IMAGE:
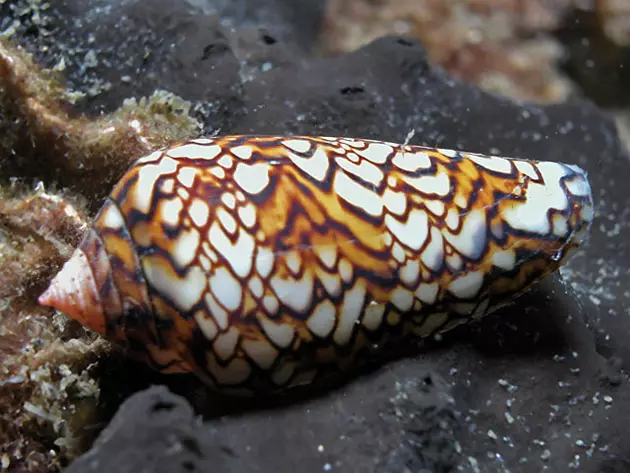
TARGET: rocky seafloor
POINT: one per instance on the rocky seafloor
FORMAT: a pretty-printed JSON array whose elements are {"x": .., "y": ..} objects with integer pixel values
[{"x": 541, "y": 385}]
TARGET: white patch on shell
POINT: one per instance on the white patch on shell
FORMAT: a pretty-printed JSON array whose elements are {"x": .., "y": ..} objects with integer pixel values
[
  {"x": 281, "y": 334},
  {"x": 202, "y": 141},
  {"x": 322, "y": 320},
  {"x": 504, "y": 259},
  {"x": 205, "y": 263},
  {"x": 184, "y": 292},
  {"x": 148, "y": 175},
  {"x": 225, "y": 343},
  {"x": 227, "y": 221},
  {"x": 247, "y": 215},
  {"x": 294, "y": 293},
  {"x": 315, "y": 166},
  {"x": 252, "y": 178},
  {"x": 431, "y": 323},
  {"x": 578, "y": 185},
  {"x": 264, "y": 261},
  {"x": 218, "y": 313},
  {"x": 185, "y": 247},
  {"x": 346, "y": 270},
  {"x": 411, "y": 162},
  {"x": 327, "y": 254},
  {"x": 357, "y": 195},
  {"x": 330, "y": 281},
  {"x": 167, "y": 186},
  {"x": 236, "y": 371},
  {"x": 491, "y": 163},
  {"x": 260, "y": 351},
  {"x": 433, "y": 253},
  {"x": 199, "y": 212},
  {"x": 364, "y": 170},
  {"x": 183, "y": 193},
  {"x": 376, "y": 152},
  {"x": 293, "y": 261},
  {"x": 283, "y": 373},
  {"x": 218, "y": 172},
  {"x": 471, "y": 239},
  {"x": 226, "y": 161},
  {"x": 271, "y": 304},
  {"x": 239, "y": 255},
  {"x": 243, "y": 152},
  {"x": 111, "y": 216},
  {"x": 229, "y": 200},
  {"x": 195, "y": 151},
  {"x": 461, "y": 200},
  {"x": 531, "y": 215},
  {"x": 256, "y": 286},
  {"x": 298, "y": 145},
  {"x": 410, "y": 272},
  {"x": 207, "y": 326},
  {"x": 427, "y": 293},
  {"x": 413, "y": 232},
  {"x": 154, "y": 156},
  {"x": 349, "y": 313},
  {"x": 398, "y": 253},
  {"x": 373, "y": 316},
  {"x": 560, "y": 225},
  {"x": 454, "y": 262},
  {"x": 395, "y": 202},
  {"x": 431, "y": 185},
  {"x": 526, "y": 168},
  {"x": 226, "y": 289},
  {"x": 449, "y": 153},
  {"x": 170, "y": 210},
  {"x": 402, "y": 298},
  {"x": 186, "y": 176},
  {"x": 436, "y": 207},
  {"x": 467, "y": 286},
  {"x": 452, "y": 218}
]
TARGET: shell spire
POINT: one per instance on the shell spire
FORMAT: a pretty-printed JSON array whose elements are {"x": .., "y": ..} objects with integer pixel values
[
  {"x": 74, "y": 291},
  {"x": 265, "y": 262}
]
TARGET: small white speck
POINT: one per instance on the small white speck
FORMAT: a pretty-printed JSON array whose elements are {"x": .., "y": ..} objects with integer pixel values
[
  {"x": 90, "y": 60},
  {"x": 474, "y": 464}
]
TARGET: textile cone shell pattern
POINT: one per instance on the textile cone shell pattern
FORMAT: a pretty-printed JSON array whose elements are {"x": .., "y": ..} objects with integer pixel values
[{"x": 260, "y": 263}]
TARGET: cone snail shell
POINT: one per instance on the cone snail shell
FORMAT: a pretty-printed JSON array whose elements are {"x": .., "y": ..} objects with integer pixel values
[{"x": 259, "y": 263}]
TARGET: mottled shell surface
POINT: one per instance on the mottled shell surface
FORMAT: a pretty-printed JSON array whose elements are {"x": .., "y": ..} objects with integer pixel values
[{"x": 262, "y": 262}]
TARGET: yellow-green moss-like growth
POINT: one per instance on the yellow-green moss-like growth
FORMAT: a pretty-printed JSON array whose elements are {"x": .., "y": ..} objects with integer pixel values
[{"x": 49, "y": 388}]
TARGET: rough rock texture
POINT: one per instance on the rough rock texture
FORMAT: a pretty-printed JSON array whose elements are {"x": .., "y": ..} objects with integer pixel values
[
  {"x": 596, "y": 63},
  {"x": 503, "y": 46},
  {"x": 540, "y": 385}
]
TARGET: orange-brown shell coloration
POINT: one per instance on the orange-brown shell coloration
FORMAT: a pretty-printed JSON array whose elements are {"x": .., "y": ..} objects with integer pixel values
[{"x": 260, "y": 262}]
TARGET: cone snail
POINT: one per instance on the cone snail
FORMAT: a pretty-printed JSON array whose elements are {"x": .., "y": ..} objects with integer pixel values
[{"x": 263, "y": 262}]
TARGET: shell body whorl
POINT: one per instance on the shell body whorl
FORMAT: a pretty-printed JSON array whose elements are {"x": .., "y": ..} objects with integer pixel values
[{"x": 255, "y": 262}]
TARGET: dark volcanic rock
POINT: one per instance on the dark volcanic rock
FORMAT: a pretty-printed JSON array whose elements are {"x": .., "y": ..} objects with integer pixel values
[
  {"x": 403, "y": 422},
  {"x": 539, "y": 385}
]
